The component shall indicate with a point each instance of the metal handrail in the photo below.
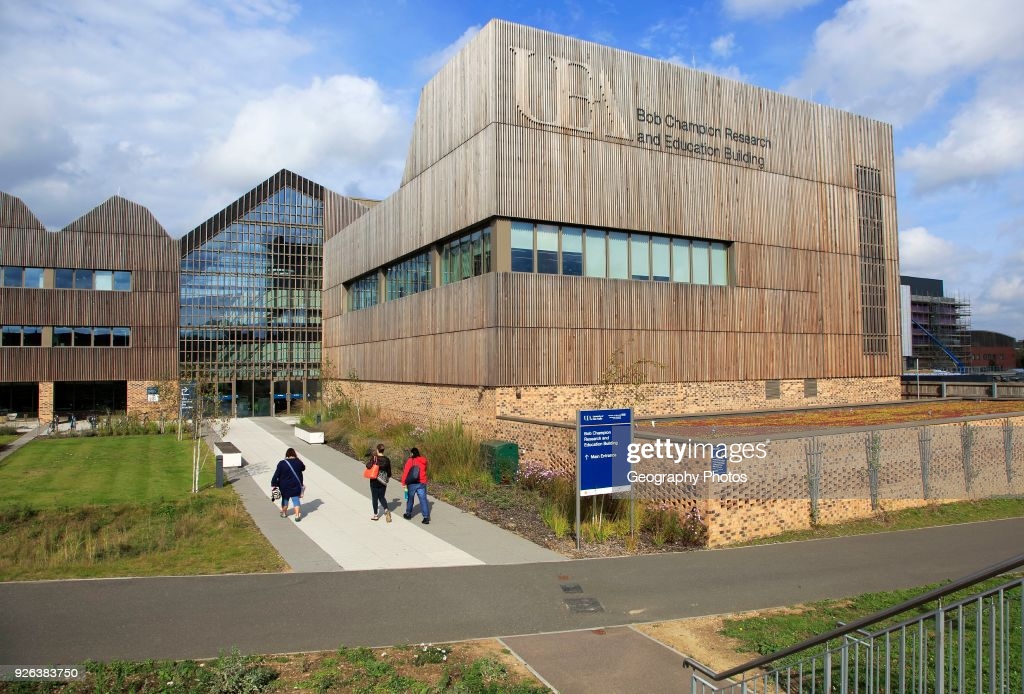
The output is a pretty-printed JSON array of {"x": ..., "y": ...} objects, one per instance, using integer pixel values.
[{"x": 940, "y": 592}]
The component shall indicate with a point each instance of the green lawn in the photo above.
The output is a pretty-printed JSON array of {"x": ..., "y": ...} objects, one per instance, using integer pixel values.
[
  {"x": 120, "y": 506},
  {"x": 98, "y": 470}
]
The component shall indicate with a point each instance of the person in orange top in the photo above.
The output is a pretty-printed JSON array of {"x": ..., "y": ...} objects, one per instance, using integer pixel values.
[{"x": 414, "y": 477}]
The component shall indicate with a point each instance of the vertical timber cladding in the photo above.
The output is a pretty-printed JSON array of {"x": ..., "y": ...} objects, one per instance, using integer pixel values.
[
  {"x": 617, "y": 140},
  {"x": 116, "y": 235},
  {"x": 561, "y": 131}
]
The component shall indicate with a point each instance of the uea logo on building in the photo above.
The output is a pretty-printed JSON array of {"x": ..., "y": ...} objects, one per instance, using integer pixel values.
[{"x": 580, "y": 103}]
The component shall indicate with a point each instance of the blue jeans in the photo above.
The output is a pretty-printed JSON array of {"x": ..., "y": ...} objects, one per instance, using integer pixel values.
[{"x": 417, "y": 491}]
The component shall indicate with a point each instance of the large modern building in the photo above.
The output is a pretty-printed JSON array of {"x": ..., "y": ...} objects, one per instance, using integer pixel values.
[
  {"x": 251, "y": 278},
  {"x": 88, "y": 314},
  {"x": 566, "y": 205}
]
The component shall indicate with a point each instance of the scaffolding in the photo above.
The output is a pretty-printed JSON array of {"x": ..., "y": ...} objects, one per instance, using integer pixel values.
[{"x": 941, "y": 331}]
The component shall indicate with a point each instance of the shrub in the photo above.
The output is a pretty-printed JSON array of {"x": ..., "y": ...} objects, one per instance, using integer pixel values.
[{"x": 454, "y": 455}]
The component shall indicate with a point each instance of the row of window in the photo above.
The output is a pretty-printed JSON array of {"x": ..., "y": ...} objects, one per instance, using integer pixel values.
[
  {"x": 65, "y": 336},
  {"x": 565, "y": 250},
  {"x": 408, "y": 277},
  {"x": 66, "y": 278},
  {"x": 467, "y": 256}
]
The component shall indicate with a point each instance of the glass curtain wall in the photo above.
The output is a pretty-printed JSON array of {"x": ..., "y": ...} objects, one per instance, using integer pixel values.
[{"x": 250, "y": 305}]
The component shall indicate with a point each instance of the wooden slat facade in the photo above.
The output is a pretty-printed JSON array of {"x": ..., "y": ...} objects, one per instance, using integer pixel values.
[
  {"x": 117, "y": 235},
  {"x": 524, "y": 124}
]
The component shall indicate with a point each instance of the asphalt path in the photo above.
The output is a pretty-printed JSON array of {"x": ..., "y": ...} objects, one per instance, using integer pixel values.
[{"x": 67, "y": 622}]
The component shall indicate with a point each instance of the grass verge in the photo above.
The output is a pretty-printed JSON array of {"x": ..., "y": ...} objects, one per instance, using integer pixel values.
[
  {"x": 479, "y": 667},
  {"x": 928, "y": 516},
  {"x": 104, "y": 507}
]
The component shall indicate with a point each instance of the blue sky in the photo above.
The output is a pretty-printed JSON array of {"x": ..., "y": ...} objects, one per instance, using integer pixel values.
[{"x": 183, "y": 105}]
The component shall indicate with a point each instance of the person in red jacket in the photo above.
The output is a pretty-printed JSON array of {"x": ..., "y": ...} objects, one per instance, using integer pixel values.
[{"x": 414, "y": 477}]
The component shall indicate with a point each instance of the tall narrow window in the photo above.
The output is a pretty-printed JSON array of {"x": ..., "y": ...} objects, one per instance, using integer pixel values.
[
  {"x": 680, "y": 260},
  {"x": 618, "y": 255},
  {"x": 660, "y": 259},
  {"x": 640, "y": 256},
  {"x": 701, "y": 270},
  {"x": 572, "y": 251},
  {"x": 595, "y": 255},
  {"x": 719, "y": 264},
  {"x": 522, "y": 247},
  {"x": 547, "y": 249},
  {"x": 872, "y": 260}
]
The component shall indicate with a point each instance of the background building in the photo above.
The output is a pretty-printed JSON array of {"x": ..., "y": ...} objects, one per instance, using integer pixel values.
[
  {"x": 991, "y": 351},
  {"x": 565, "y": 205},
  {"x": 88, "y": 314},
  {"x": 251, "y": 280},
  {"x": 940, "y": 326}
]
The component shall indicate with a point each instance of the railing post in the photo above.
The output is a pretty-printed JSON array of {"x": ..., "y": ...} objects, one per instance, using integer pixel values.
[
  {"x": 940, "y": 651},
  {"x": 827, "y": 664}
]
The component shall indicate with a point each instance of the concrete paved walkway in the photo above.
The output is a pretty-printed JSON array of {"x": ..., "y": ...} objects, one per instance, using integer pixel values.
[{"x": 336, "y": 531}]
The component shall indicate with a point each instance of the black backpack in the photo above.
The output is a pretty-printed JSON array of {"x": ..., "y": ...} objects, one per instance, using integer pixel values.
[{"x": 414, "y": 475}]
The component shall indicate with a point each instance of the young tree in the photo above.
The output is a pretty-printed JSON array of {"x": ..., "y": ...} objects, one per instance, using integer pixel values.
[
  {"x": 199, "y": 404},
  {"x": 622, "y": 383}
]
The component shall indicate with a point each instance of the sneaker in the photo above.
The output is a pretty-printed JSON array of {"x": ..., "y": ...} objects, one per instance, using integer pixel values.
[
  {"x": 375, "y": 517},
  {"x": 283, "y": 514},
  {"x": 425, "y": 521},
  {"x": 298, "y": 518},
  {"x": 387, "y": 514},
  {"x": 407, "y": 516}
]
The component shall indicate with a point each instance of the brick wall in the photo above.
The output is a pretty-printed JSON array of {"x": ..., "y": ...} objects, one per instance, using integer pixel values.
[{"x": 45, "y": 401}]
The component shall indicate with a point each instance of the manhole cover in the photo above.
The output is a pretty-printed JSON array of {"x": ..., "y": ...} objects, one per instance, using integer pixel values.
[
  {"x": 572, "y": 588},
  {"x": 583, "y": 605}
]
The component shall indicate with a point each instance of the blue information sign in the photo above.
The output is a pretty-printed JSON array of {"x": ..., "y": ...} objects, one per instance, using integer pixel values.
[
  {"x": 188, "y": 400},
  {"x": 719, "y": 465},
  {"x": 602, "y": 445}
]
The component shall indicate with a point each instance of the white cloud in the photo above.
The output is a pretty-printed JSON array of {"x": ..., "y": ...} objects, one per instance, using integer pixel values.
[
  {"x": 435, "y": 61},
  {"x": 923, "y": 254},
  {"x": 746, "y": 9},
  {"x": 343, "y": 124},
  {"x": 983, "y": 141},
  {"x": 894, "y": 60},
  {"x": 723, "y": 46}
]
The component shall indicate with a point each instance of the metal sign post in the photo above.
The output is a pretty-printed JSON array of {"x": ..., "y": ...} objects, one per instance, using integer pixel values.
[{"x": 602, "y": 449}]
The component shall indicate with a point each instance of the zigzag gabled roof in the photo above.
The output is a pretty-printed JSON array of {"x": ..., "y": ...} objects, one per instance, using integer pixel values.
[
  {"x": 119, "y": 215},
  {"x": 15, "y": 214}
]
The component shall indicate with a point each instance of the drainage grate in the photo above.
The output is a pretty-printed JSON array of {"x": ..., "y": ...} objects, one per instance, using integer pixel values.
[
  {"x": 583, "y": 605},
  {"x": 572, "y": 588}
]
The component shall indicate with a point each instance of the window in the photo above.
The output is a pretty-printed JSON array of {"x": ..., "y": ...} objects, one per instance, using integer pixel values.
[
  {"x": 83, "y": 279},
  {"x": 10, "y": 336},
  {"x": 64, "y": 278},
  {"x": 661, "y": 259},
  {"x": 522, "y": 247},
  {"x": 12, "y": 276},
  {"x": 680, "y": 260},
  {"x": 104, "y": 280},
  {"x": 61, "y": 337},
  {"x": 31, "y": 336},
  {"x": 719, "y": 264},
  {"x": 701, "y": 268},
  {"x": 572, "y": 251},
  {"x": 34, "y": 277},
  {"x": 618, "y": 255},
  {"x": 122, "y": 337},
  {"x": 362, "y": 293},
  {"x": 640, "y": 256},
  {"x": 595, "y": 255},
  {"x": 411, "y": 276},
  {"x": 101, "y": 337},
  {"x": 466, "y": 256},
  {"x": 547, "y": 249},
  {"x": 82, "y": 337}
]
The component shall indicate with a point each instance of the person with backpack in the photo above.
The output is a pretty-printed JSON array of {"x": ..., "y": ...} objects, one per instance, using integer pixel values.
[
  {"x": 288, "y": 478},
  {"x": 414, "y": 477},
  {"x": 379, "y": 482}
]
